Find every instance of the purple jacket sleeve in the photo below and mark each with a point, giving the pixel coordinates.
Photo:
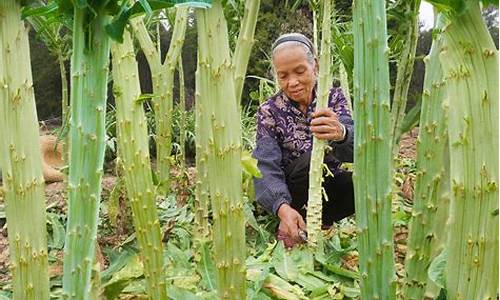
(270, 190)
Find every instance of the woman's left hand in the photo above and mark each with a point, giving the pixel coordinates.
(325, 125)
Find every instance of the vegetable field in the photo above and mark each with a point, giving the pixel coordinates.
(143, 187)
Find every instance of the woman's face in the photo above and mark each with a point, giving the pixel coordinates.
(296, 75)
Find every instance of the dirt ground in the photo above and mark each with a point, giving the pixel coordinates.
(55, 196)
(408, 144)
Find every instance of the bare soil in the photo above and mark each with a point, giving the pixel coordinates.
(408, 144)
(56, 198)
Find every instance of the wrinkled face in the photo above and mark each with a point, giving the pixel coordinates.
(296, 75)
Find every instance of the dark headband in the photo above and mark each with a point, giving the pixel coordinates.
(295, 38)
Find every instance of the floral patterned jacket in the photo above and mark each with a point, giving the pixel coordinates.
(283, 135)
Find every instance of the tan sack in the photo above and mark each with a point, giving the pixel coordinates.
(52, 158)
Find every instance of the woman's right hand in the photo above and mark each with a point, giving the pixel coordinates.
(290, 223)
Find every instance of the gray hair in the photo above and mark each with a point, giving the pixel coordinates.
(295, 40)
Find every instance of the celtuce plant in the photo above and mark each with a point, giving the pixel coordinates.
(20, 161)
(372, 174)
(219, 111)
(470, 66)
(202, 128)
(89, 77)
(134, 151)
(431, 200)
(162, 75)
(315, 199)
(240, 63)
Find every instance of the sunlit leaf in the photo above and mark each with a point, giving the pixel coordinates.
(437, 267)
(133, 270)
(249, 164)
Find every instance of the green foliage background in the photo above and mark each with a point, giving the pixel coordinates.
(275, 18)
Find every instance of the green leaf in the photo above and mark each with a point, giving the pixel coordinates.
(198, 4)
(350, 292)
(39, 10)
(249, 164)
(136, 287)
(154, 176)
(176, 293)
(58, 231)
(133, 270)
(147, 7)
(436, 270)
(138, 9)
(451, 6)
(260, 295)
(65, 6)
(257, 286)
(488, 2)
(412, 118)
(312, 283)
(118, 259)
(206, 268)
(442, 295)
(292, 265)
(116, 28)
(283, 263)
(180, 259)
(249, 217)
(143, 97)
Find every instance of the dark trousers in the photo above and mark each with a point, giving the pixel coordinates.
(339, 189)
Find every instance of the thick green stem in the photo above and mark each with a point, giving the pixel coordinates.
(65, 108)
(134, 150)
(20, 161)
(217, 96)
(372, 151)
(162, 75)
(244, 44)
(147, 45)
(470, 66)
(240, 62)
(404, 72)
(315, 195)
(430, 208)
(202, 129)
(89, 76)
(202, 194)
(166, 100)
(182, 110)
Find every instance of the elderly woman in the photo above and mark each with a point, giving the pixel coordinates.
(286, 123)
